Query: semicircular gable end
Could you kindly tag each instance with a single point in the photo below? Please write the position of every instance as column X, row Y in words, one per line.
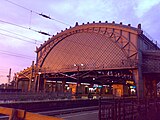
column 121, row 38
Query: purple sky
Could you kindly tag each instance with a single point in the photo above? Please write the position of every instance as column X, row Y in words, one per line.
column 18, row 54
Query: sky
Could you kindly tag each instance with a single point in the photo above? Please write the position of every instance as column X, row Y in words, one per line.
column 18, row 44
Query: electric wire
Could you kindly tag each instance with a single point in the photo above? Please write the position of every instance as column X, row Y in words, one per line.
column 41, row 14
column 41, row 32
column 20, row 6
column 2, row 69
column 3, row 76
column 30, row 20
column 15, row 54
column 18, row 38
column 17, row 25
column 20, row 35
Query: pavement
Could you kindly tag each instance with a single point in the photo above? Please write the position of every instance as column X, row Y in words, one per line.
column 86, row 115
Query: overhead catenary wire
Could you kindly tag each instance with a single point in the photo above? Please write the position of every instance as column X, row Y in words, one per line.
column 20, row 35
column 41, row 14
column 44, row 33
column 3, row 76
column 18, row 38
column 20, row 6
column 45, row 16
column 3, row 71
column 16, row 55
column 4, row 67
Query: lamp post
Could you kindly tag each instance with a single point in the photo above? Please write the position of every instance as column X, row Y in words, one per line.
column 39, row 75
column 78, row 79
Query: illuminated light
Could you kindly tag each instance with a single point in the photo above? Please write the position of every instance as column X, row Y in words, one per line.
column 71, row 82
column 106, row 85
column 133, row 90
column 129, row 82
column 99, row 72
column 99, row 86
column 107, row 90
column 94, row 78
column 85, row 84
column 78, row 65
column 59, row 81
column 92, row 89
column 50, row 81
column 95, row 85
column 39, row 73
column 82, row 64
column 112, row 81
column 132, row 87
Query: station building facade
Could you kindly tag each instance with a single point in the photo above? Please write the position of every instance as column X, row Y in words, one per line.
column 99, row 58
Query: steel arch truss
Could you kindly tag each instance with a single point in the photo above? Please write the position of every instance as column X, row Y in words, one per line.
column 121, row 37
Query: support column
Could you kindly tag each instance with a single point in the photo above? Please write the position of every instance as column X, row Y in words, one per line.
column 17, row 81
column 154, row 82
column 44, row 85
column 150, row 87
column 56, row 87
column 35, row 83
column 137, row 76
column 30, row 80
column 23, row 85
column 53, row 87
column 38, row 83
column 146, row 86
column 29, row 85
column 63, row 85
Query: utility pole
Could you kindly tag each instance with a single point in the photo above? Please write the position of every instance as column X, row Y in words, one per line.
column 31, row 77
column 9, row 76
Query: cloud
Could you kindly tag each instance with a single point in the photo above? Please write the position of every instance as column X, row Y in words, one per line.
column 99, row 10
column 151, row 23
column 131, row 12
column 143, row 6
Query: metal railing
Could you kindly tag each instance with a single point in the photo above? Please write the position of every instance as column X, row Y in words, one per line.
column 129, row 109
column 151, row 39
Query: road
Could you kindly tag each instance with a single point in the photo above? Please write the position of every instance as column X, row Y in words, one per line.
column 86, row 115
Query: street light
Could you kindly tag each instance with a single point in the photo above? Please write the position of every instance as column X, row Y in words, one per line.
column 78, row 79
column 39, row 75
column 78, row 65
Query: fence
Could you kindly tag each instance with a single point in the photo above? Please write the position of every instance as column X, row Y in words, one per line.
column 27, row 96
column 129, row 109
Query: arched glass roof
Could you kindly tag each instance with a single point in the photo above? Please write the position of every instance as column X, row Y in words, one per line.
column 93, row 50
